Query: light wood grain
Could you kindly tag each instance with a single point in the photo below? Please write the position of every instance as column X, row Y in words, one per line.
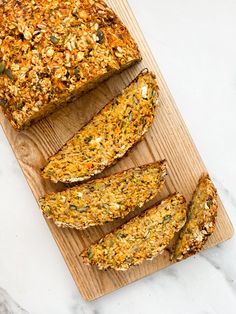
column 168, row 138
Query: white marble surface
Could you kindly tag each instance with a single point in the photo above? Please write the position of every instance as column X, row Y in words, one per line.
column 194, row 43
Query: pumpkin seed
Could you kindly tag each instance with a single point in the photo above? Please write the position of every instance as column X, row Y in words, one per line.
column 73, row 207
column 88, row 139
column 50, row 173
column 135, row 249
column 47, row 210
column 121, row 235
column 54, row 40
column 79, row 209
column 83, row 209
column 112, row 242
column 167, row 219
column 77, row 74
column 2, row 67
column 20, row 106
column 106, row 206
column 3, row 102
column 102, row 187
column 209, row 203
column 147, row 233
column 90, row 254
column 128, row 259
column 8, row 72
column 100, row 36
column 190, row 215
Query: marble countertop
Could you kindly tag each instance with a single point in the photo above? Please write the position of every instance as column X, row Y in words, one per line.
column 194, row 43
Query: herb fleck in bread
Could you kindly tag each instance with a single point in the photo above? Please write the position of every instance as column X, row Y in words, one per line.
column 106, row 199
column 201, row 220
column 52, row 51
column 142, row 238
column 109, row 135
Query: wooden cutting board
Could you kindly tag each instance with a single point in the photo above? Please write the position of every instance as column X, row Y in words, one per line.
column 168, row 138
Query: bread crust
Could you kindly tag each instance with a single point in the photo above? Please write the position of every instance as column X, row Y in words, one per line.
column 201, row 220
column 54, row 51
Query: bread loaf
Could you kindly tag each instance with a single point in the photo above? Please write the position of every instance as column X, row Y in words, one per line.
column 53, row 51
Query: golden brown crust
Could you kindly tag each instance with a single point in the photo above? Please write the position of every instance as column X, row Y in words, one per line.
column 201, row 220
column 109, row 135
column 142, row 238
column 106, row 199
column 52, row 51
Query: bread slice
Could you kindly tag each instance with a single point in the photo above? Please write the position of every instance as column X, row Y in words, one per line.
column 106, row 199
column 142, row 238
column 201, row 220
column 109, row 135
column 53, row 51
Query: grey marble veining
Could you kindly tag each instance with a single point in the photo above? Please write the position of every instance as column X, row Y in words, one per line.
column 8, row 305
